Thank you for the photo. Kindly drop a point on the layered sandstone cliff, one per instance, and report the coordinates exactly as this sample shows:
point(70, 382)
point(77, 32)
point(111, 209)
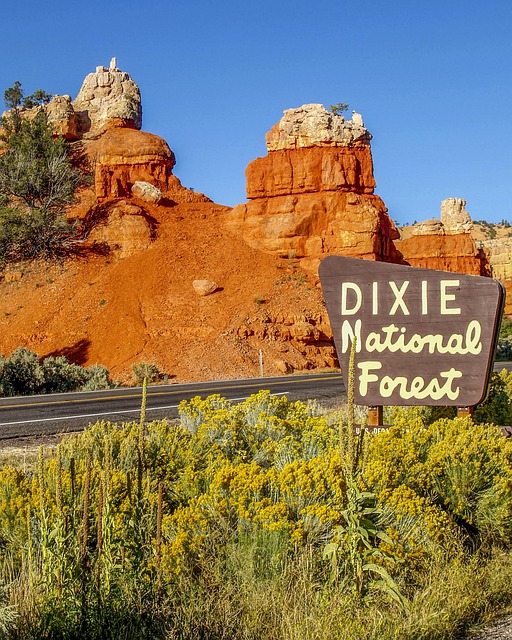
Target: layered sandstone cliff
point(500, 256)
point(445, 243)
point(313, 193)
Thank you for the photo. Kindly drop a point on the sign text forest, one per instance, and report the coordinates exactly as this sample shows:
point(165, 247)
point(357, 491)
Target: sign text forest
point(423, 337)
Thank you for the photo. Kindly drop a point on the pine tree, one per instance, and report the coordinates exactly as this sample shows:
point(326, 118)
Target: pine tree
point(37, 181)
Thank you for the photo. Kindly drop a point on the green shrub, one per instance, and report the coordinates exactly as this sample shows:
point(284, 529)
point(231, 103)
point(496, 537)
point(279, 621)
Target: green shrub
point(146, 370)
point(97, 377)
point(22, 373)
point(60, 375)
point(338, 108)
point(504, 349)
point(506, 327)
point(497, 407)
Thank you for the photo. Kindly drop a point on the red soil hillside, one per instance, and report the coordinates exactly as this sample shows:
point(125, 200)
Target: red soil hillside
point(119, 311)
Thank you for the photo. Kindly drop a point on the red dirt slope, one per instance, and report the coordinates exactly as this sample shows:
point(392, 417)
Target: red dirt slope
point(142, 307)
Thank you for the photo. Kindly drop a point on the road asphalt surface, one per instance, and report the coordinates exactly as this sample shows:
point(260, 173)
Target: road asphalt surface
point(25, 416)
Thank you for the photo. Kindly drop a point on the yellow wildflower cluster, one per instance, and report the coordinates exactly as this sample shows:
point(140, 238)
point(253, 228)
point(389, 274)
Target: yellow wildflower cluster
point(161, 501)
point(451, 473)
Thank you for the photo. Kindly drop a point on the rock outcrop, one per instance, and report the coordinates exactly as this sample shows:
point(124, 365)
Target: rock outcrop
point(431, 227)
point(64, 119)
point(499, 251)
point(445, 243)
point(104, 123)
point(123, 156)
point(313, 126)
point(108, 98)
point(107, 116)
point(455, 252)
point(454, 217)
point(297, 342)
point(126, 228)
point(312, 194)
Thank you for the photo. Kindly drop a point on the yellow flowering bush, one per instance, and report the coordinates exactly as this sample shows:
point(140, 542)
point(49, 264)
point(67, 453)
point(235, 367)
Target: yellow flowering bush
point(461, 468)
point(15, 494)
point(134, 508)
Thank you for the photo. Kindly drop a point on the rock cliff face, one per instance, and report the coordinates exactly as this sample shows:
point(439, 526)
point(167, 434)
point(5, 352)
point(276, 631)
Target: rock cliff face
point(108, 98)
point(455, 252)
point(313, 193)
point(446, 243)
point(500, 257)
point(293, 341)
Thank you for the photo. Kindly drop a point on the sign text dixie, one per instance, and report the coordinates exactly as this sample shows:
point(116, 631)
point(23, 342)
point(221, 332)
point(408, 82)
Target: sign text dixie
point(423, 336)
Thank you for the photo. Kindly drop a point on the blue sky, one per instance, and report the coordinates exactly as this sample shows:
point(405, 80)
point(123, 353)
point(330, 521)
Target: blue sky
point(430, 78)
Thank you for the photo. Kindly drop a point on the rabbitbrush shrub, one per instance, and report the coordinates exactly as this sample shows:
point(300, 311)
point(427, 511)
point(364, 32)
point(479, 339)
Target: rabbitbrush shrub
point(229, 525)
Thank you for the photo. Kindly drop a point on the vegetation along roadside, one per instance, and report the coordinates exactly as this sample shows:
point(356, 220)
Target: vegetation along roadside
point(265, 519)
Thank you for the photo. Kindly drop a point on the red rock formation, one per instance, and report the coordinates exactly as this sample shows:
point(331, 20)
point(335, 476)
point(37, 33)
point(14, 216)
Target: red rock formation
point(445, 252)
point(446, 243)
point(311, 169)
point(313, 193)
point(121, 157)
point(294, 342)
point(125, 227)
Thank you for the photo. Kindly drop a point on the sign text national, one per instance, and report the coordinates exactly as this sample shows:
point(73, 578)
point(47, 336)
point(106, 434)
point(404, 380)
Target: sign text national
point(423, 337)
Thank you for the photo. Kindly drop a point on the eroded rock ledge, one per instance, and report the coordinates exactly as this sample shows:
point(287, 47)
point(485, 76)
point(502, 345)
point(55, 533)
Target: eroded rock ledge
point(312, 194)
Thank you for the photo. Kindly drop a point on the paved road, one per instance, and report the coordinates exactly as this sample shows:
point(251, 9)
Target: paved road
point(46, 414)
point(43, 414)
point(498, 366)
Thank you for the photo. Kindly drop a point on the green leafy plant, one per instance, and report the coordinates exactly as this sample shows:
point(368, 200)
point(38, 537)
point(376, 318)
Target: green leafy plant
point(354, 552)
point(338, 108)
point(356, 559)
point(145, 370)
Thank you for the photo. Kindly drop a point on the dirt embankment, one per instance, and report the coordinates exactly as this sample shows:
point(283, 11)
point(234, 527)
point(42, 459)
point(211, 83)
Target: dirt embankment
point(143, 308)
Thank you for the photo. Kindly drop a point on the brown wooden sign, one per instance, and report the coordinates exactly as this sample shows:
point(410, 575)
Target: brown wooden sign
point(424, 337)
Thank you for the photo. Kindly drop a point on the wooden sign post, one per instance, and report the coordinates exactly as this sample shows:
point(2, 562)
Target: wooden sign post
point(423, 337)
